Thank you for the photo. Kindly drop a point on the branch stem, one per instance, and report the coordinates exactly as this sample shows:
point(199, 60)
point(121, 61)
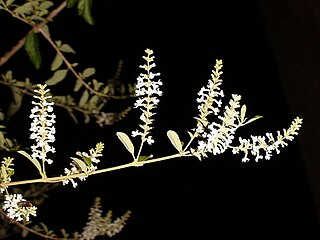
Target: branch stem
point(61, 178)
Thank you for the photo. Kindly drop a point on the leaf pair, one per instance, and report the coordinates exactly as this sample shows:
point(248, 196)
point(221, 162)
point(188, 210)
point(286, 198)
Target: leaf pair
point(172, 135)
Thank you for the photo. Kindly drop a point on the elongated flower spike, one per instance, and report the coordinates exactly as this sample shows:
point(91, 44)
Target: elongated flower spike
point(42, 126)
point(147, 91)
point(263, 146)
point(217, 136)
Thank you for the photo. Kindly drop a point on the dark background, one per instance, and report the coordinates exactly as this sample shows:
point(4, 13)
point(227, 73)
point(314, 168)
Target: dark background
point(270, 55)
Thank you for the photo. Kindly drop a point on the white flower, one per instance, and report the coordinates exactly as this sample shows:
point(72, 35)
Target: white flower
point(148, 91)
point(42, 126)
point(18, 208)
point(88, 159)
point(262, 147)
point(217, 137)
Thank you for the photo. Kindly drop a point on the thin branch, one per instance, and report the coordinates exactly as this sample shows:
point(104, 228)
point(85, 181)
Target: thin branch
point(24, 227)
point(38, 28)
point(25, 91)
point(35, 28)
point(70, 67)
point(61, 178)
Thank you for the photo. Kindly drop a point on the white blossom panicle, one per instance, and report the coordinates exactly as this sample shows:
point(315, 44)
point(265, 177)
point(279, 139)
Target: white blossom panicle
point(263, 146)
point(18, 208)
point(99, 225)
point(147, 92)
point(84, 165)
point(42, 126)
point(208, 97)
point(217, 137)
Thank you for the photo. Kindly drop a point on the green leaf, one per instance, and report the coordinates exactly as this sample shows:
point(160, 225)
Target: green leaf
point(46, 5)
point(84, 10)
point(96, 85)
point(66, 48)
point(24, 232)
point(45, 28)
point(16, 104)
point(56, 63)
point(88, 72)
point(243, 112)
point(73, 116)
point(31, 46)
point(175, 140)
point(126, 142)
point(71, 3)
point(253, 119)
point(34, 161)
point(57, 77)
point(24, 9)
point(77, 86)
point(4, 174)
point(81, 164)
point(87, 161)
point(9, 2)
point(144, 158)
point(84, 98)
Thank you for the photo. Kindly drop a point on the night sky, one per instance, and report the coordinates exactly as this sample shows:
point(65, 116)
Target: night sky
point(217, 198)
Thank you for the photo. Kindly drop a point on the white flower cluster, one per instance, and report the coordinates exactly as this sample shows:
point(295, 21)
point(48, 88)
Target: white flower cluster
point(261, 144)
point(218, 136)
point(209, 96)
point(85, 165)
point(42, 126)
point(215, 137)
point(18, 208)
point(99, 225)
point(147, 91)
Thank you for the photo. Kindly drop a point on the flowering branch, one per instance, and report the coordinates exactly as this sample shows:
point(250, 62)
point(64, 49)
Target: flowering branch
point(213, 137)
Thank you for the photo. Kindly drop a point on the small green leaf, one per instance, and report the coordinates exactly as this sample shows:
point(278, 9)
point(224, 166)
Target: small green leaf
point(88, 72)
point(243, 112)
point(57, 77)
point(253, 119)
point(4, 174)
point(24, 9)
point(175, 140)
point(87, 161)
point(24, 232)
point(126, 142)
point(77, 86)
point(144, 158)
point(74, 118)
point(34, 161)
point(31, 46)
point(66, 48)
point(84, 98)
point(81, 164)
point(46, 5)
point(45, 28)
point(71, 3)
point(56, 63)
point(16, 104)
point(96, 85)
point(9, 2)
point(84, 10)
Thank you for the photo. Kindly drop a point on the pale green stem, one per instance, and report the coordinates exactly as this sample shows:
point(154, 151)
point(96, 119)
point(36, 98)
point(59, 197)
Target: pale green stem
point(61, 178)
point(190, 141)
point(140, 149)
